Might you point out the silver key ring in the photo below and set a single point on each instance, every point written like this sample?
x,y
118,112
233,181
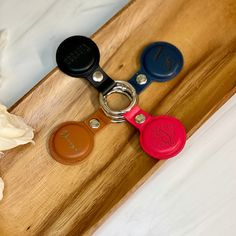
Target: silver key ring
x,y
122,87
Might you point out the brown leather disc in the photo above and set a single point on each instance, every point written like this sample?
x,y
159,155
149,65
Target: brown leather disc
x,y
71,142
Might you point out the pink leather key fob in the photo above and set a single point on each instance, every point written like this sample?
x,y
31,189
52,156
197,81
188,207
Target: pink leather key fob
x,y
161,137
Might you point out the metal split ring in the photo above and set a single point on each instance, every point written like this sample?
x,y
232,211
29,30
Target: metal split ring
x,y
122,87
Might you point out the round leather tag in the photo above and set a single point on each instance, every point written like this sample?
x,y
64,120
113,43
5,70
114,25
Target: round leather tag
x,y
70,142
162,137
77,56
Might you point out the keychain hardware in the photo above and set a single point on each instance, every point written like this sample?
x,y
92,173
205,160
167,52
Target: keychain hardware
x,y
161,137
124,88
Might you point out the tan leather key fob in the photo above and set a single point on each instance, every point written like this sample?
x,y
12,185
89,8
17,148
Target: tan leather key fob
x,y
72,141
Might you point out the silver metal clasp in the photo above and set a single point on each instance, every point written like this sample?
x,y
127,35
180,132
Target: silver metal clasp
x,y
122,87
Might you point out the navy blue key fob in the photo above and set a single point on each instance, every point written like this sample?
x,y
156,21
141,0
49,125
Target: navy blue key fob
x,y
160,62
79,56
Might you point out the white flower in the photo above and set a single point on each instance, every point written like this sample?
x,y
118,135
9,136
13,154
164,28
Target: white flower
x,y
13,130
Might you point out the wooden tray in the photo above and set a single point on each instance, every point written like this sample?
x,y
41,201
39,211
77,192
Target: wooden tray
x,y
43,197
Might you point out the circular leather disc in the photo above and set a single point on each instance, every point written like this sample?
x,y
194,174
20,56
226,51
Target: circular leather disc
x,y
162,61
70,142
163,137
77,56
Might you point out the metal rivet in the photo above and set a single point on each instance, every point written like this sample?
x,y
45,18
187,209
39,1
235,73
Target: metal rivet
x,y
97,76
139,119
141,79
94,123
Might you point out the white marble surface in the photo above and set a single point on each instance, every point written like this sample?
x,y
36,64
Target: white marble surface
x,y
194,194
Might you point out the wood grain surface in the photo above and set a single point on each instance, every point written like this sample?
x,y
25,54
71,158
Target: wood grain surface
x,y
43,197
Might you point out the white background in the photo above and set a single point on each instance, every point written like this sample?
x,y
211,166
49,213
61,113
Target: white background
x,y
193,194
